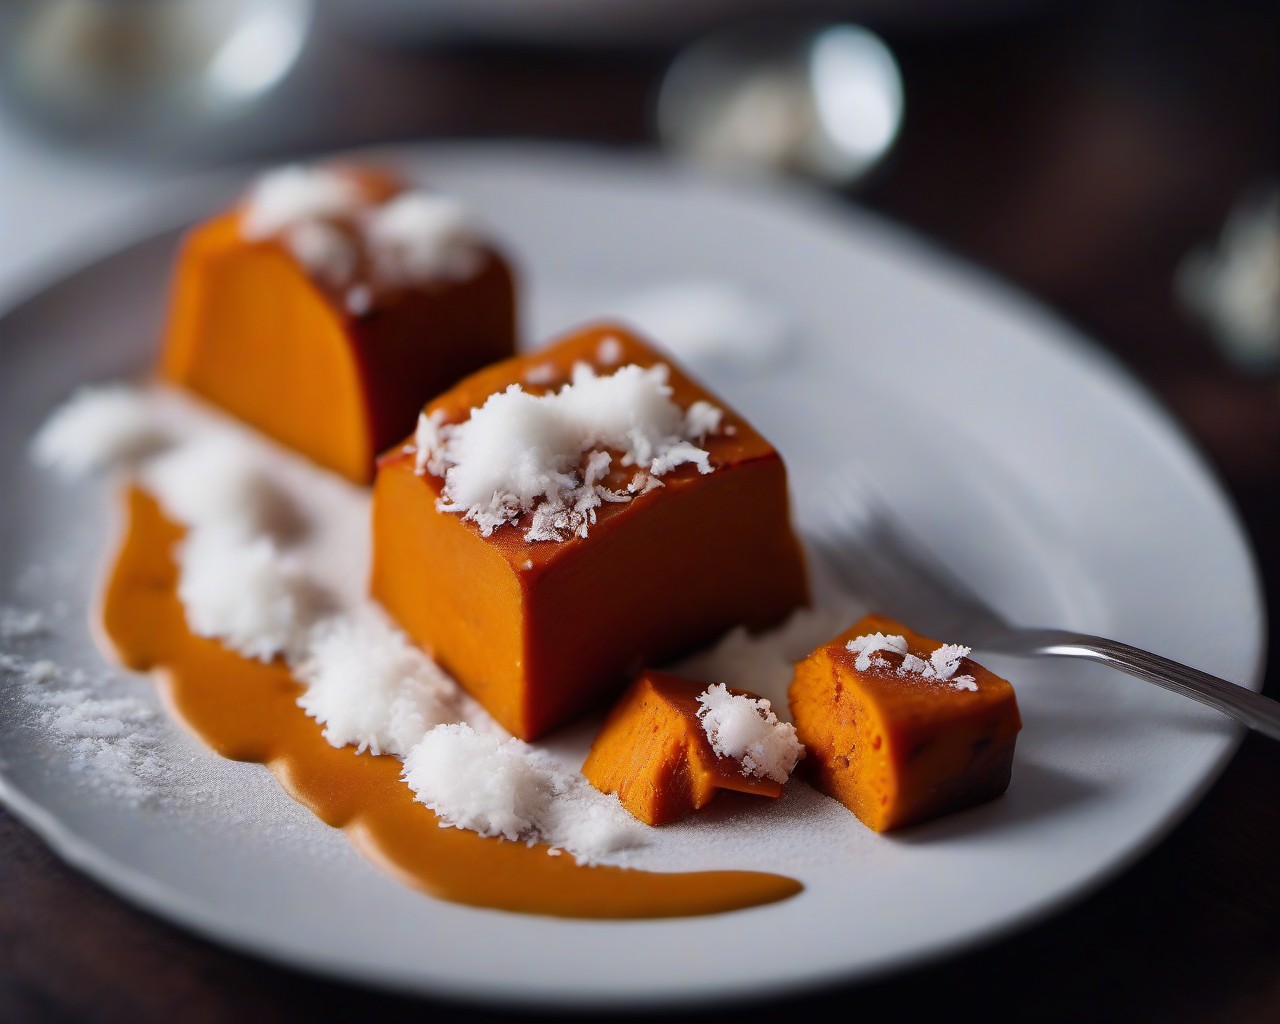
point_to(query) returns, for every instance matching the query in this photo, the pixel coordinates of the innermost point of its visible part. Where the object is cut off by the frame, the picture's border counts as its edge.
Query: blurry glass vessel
(823, 102)
(113, 68)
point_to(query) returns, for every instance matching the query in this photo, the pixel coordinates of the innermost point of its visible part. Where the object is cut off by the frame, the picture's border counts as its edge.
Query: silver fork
(853, 532)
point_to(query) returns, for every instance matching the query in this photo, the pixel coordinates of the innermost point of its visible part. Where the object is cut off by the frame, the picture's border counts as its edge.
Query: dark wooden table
(1079, 150)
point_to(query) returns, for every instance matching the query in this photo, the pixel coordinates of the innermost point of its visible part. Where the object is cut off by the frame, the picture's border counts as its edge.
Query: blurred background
(1118, 160)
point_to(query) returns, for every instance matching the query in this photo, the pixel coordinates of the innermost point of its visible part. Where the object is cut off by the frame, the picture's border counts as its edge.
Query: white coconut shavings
(257, 600)
(506, 788)
(701, 418)
(746, 730)
(868, 646)
(294, 195)
(219, 482)
(941, 666)
(323, 250)
(323, 217)
(98, 427)
(418, 236)
(521, 453)
(370, 687)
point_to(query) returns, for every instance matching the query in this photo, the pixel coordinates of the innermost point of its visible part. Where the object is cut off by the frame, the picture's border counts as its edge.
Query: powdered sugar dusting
(546, 454)
(746, 730)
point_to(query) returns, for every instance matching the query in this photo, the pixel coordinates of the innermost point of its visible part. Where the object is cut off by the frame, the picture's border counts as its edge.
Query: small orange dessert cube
(566, 517)
(654, 753)
(900, 728)
(329, 304)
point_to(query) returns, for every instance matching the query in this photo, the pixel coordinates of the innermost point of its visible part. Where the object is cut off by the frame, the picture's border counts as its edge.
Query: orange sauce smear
(247, 711)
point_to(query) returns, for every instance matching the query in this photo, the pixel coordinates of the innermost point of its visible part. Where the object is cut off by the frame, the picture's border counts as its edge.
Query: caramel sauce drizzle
(247, 711)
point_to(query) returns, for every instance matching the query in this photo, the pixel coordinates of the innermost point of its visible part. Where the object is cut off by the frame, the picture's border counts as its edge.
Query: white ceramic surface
(1022, 453)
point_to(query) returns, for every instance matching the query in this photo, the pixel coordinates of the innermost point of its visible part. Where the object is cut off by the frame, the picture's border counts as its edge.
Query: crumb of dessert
(900, 728)
(544, 541)
(670, 745)
(503, 787)
(328, 304)
(98, 427)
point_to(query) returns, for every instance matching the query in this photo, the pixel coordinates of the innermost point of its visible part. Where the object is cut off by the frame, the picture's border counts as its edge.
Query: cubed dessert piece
(564, 518)
(900, 728)
(670, 745)
(330, 303)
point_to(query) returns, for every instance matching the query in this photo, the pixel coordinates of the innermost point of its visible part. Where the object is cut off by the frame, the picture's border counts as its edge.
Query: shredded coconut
(323, 250)
(503, 787)
(746, 730)
(521, 453)
(418, 235)
(246, 593)
(289, 196)
(97, 428)
(868, 646)
(324, 219)
(218, 482)
(369, 687)
(942, 664)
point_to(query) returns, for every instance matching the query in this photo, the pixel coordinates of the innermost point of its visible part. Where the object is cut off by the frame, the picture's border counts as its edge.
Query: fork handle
(1239, 702)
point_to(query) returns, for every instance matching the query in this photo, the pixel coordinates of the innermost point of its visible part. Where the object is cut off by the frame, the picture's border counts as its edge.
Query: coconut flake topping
(747, 730)
(942, 663)
(548, 454)
(322, 216)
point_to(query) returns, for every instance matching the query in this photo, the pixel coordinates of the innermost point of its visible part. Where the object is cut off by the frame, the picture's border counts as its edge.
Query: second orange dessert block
(251, 330)
(539, 632)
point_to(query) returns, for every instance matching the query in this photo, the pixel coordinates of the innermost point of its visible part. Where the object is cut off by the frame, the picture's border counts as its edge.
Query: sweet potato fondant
(329, 304)
(900, 728)
(654, 753)
(564, 518)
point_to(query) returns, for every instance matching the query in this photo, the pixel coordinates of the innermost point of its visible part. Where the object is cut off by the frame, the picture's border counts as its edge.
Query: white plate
(1035, 466)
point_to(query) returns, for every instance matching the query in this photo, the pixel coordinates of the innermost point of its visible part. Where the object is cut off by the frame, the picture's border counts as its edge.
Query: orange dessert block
(329, 304)
(654, 752)
(900, 728)
(652, 520)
